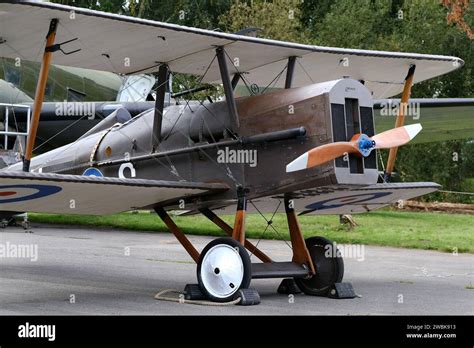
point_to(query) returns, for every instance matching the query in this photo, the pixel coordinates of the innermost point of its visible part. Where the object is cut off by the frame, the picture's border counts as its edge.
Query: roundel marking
(92, 172)
(20, 193)
(341, 201)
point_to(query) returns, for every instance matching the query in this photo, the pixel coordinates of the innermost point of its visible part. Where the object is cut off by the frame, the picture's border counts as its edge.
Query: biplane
(313, 136)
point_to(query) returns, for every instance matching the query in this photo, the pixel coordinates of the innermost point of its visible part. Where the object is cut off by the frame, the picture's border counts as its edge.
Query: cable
(457, 192)
(266, 228)
(270, 222)
(304, 70)
(181, 299)
(275, 80)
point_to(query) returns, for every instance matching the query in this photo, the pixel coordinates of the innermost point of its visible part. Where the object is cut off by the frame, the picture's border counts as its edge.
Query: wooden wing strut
(39, 94)
(400, 120)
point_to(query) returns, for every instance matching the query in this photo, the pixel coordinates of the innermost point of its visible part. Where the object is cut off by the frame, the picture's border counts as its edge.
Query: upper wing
(129, 45)
(88, 195)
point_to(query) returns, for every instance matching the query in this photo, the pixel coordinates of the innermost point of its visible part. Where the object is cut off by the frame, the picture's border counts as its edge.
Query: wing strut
(290, 69)
(163, 76)
(400, 120)
(228, 90)
(235, 80)
(39, 94)
(185, 242)
(229, 230)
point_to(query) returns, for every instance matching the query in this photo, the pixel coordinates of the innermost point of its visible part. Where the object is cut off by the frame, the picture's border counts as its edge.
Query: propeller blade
(396, 137)
(360, 143)
(321, 154)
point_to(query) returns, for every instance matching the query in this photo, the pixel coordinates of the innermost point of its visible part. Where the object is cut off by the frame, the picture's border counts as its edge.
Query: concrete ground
(85, 271)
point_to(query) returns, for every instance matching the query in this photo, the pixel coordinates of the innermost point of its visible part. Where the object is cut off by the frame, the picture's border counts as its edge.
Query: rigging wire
(304, 70)
(270, 222)
(266, 227)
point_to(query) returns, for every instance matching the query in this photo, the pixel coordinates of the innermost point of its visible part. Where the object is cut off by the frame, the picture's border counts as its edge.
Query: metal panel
(367, 127)
(339, 129)
(353, 127)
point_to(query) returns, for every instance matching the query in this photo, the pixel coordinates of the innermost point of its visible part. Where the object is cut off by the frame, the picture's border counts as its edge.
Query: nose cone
(365, 145)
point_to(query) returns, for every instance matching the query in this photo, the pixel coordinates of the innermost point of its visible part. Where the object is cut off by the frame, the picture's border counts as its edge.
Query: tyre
(223, 269)
(329, 267)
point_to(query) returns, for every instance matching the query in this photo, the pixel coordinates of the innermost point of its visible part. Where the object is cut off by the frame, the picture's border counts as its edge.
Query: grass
(432, 231)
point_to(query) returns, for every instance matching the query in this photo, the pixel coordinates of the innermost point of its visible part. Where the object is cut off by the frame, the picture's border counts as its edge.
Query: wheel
(223, 268)
(329, 267)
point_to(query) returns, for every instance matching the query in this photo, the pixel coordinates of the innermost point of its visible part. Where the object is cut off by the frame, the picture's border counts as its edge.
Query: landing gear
(224, 268)
(328, 263)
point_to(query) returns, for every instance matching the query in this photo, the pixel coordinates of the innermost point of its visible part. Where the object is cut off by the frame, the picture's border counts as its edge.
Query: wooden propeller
(360, 143)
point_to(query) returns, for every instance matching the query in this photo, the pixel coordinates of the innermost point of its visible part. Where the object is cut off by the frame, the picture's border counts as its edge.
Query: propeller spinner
(360, 144)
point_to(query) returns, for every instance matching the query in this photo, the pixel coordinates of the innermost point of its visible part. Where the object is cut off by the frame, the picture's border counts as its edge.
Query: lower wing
(335, 199)
(359, 199)
(88, 195)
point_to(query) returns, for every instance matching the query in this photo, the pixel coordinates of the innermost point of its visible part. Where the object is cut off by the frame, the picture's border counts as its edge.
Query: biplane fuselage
(198, 146)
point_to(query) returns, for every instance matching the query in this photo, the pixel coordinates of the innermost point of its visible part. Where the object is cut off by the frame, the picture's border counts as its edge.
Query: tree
(458, 10)
(425, 30)
(448, 163)
(197, 13)
(407, 26)
(278, 20)
(114, 6)
(360, 24)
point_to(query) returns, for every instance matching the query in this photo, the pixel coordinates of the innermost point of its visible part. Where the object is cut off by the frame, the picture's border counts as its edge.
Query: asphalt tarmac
(82, 271)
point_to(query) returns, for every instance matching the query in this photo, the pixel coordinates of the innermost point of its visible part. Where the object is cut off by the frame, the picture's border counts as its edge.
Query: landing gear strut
(224, 269)
(224, 266)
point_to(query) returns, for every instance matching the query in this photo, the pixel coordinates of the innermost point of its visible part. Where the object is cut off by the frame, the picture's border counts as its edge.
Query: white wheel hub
(222, 270)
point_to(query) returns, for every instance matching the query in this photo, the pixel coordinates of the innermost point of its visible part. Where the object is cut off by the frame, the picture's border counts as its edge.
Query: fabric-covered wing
(442, 119)
(88, 195)
(359, 199)
(337, 199)
(129, 45)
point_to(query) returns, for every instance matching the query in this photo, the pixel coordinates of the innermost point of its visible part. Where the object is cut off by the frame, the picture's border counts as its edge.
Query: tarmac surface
(81, 271)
